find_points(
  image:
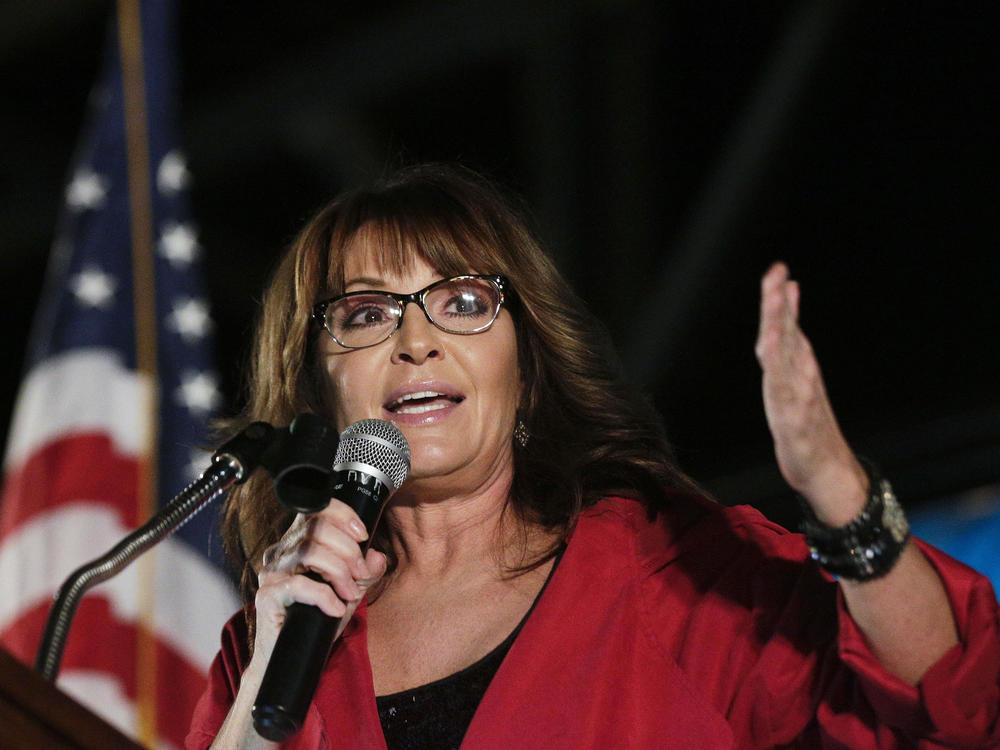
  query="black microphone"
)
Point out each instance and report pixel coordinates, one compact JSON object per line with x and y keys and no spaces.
{"x":372,"y":460}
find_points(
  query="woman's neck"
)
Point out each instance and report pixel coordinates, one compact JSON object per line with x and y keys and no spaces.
{"x":462,"y":532}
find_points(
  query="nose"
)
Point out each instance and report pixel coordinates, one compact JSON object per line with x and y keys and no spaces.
{"x":417,"y":339}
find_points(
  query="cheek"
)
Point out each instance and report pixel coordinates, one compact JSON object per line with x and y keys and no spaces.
{"x":503,"y":381}
{"x":508,"y":390}
{"x":345,"y":392}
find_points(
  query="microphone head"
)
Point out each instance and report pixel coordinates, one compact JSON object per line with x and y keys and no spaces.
{"x":378,"y":444}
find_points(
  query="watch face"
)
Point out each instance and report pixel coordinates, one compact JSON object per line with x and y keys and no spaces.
{"x":893,"y":517}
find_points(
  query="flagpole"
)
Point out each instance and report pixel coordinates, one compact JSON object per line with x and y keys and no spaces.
{"x":144,"y":300}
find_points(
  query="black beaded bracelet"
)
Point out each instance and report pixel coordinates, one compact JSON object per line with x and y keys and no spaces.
{"x":867,"y":547}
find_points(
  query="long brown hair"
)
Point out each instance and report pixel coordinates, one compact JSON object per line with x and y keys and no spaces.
{"x":589,"y":433}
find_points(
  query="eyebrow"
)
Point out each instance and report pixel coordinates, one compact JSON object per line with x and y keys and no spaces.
{"x":369,"y":281}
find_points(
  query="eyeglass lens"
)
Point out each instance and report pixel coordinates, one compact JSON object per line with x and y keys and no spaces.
{"x":456,"y":306}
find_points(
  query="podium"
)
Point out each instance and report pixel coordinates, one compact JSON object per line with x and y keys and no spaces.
{"x":35,"y":714}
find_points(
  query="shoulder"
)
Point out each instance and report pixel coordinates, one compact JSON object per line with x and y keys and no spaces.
{"x":692,"y":528}
{"x":702,"y":555}
{"x":714,"y":585}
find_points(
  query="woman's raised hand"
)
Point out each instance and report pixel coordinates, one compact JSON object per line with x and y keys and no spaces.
{"x":813,"y":456}
{"x":327,"y":543}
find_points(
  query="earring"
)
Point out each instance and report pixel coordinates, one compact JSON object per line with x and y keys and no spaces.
{"x":521,"y":434}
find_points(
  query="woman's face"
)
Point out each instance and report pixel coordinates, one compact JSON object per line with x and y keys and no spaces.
{"x":454,"y":396}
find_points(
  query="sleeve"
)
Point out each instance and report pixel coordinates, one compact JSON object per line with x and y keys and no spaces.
{"x":223,"y":682}
{"x":957,"y":702}
{"x":767,"y":638}
{"x":852,"y":700}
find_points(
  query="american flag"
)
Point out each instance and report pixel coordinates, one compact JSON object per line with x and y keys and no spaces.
{"x":89,"y":416}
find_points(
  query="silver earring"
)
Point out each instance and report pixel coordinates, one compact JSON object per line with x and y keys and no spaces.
{"x":521,"y":434}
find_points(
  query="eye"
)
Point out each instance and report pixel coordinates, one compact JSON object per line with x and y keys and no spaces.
{"x":361,"y":312}
{"x":466,"y":302}
{"x":366,"y":316}
{"x":468,"y":298}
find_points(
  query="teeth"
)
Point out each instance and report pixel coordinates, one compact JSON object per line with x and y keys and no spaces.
{"x":421,"y":394}
{"x":397,"y":405}
{"x":422,"y":408}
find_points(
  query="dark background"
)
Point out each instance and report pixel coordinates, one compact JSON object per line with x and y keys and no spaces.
{"x":670,"y":150}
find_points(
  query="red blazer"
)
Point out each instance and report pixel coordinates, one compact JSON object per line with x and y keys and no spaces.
{"x":704,"y":628}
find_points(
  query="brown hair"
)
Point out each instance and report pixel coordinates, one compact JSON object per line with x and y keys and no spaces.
{"x":590,"y":434}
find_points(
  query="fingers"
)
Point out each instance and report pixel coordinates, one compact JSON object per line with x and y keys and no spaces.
{"x":319,"y":561}
{"x":276,"y":592}
{"x":793,"y":299}
{"x":781,"y":346}
{"x":772,"y":305}
{"x":377,"y":563}
{"x":338,"y":526}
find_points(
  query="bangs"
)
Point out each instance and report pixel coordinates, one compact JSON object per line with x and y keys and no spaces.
{"x":403,"y":224}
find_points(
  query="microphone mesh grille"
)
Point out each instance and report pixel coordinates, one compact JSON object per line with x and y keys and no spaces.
{"x":376,"y":443}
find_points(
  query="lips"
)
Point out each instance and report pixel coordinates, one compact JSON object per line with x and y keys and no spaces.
{"x":420,"y":400}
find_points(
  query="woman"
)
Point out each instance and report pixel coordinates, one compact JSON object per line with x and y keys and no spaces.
{"x":553,"y":580}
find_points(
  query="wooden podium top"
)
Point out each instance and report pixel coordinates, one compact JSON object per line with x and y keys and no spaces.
{"x":35,"y":714}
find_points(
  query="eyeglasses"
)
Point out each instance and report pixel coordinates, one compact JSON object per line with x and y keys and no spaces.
{"x":461,"y":304}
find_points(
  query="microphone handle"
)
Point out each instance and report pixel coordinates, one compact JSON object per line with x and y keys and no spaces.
{"x":306,"y":638}
{"x":293,"y":672}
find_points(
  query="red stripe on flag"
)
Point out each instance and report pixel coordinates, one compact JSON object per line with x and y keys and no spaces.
{"x":79,"y":467}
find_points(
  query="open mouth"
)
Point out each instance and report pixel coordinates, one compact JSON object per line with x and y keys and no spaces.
{"x":422,"y":402}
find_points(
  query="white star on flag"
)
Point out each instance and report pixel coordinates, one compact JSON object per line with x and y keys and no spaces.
{"x":87,"y":190}
{"x":190,"y":319}
{"x":178,"y":244}
{"x":172,"y":175}
{"x":93,"y":288}
{"x":198,"y":391}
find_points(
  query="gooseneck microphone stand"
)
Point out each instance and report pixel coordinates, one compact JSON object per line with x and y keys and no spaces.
{"x":299,"y":458}
{"x":232,"y":463}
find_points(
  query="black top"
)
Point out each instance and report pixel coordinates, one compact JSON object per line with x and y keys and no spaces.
{"x":436,"y":716}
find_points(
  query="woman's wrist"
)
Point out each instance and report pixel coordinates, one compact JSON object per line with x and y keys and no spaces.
{"x":870,"y":543}
{"x":838,"y":495}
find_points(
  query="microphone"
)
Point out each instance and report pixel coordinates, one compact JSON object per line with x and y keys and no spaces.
{"x":372,"y":460}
